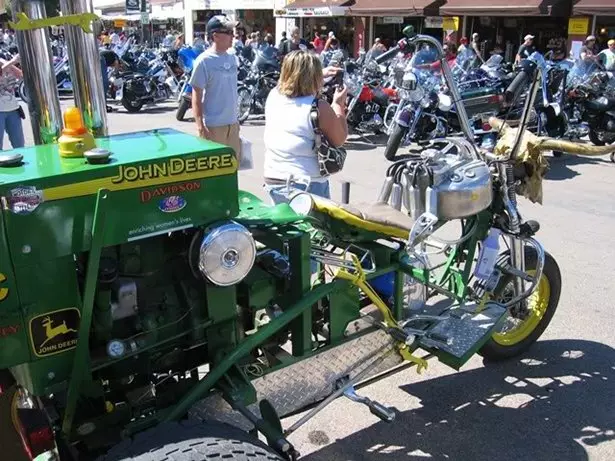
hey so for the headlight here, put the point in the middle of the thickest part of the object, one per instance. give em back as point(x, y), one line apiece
point(227, 254)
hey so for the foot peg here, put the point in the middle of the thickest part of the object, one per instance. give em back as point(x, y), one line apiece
point(384, 413)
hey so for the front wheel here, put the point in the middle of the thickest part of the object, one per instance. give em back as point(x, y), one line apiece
point(522, 327)
point(395, 139)
point(184, 105)
point(601, 140)
point(22, 92)
point(244, 104)
point(192, 441)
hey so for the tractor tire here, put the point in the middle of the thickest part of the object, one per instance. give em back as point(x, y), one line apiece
point(183, 107)
point(192, 441)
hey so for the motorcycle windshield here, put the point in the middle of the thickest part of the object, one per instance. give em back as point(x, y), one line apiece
point(582, 71)
point(266, 59)
point(425, 65)
point(187, 57)
point(465, 61)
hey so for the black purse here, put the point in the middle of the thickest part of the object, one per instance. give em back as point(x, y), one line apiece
point(330, 159)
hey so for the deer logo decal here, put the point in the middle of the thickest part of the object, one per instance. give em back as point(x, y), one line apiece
point(55, 332)
point(52, 332)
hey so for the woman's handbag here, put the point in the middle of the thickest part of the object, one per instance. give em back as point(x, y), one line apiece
point(330, 159)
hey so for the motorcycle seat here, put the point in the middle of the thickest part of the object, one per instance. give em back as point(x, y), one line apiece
point(380, 218)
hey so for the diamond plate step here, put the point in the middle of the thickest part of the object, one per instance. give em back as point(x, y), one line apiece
point(307, 381)
point(466, 331)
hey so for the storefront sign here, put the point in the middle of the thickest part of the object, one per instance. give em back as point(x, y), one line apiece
point(450, 23)
point(119, 23)
point(391, 20)
point(145, 18)
point(578, 26)
point(434, 22)
point(133, 6)
point(310, 12)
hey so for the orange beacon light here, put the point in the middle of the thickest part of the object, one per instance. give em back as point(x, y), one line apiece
point(75, 139)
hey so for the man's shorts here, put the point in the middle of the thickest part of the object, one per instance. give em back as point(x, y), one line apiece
point(227, 135)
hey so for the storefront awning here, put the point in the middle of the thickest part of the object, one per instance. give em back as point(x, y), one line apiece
point(395, 7)
point(313, 8)
point(499, 7)
point(594, 7)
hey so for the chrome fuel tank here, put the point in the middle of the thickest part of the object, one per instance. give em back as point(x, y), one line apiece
point(466, 191)
point(448, 185)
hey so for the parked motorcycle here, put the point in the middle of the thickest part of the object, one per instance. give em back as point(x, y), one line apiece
point(590, 96)
point(186, 57)
point(252, 92)
point(368, 99)
point(426, 109)
point(63, 80)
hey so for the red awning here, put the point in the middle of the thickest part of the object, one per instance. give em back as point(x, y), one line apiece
point(498, 7)
point(594, 7)
point(394, 7)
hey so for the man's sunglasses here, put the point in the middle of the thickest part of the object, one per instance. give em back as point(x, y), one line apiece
point(225, 32)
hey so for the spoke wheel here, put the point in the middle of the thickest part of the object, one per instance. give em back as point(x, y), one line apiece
point(525, 322)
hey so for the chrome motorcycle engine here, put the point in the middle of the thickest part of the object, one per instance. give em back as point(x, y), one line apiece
point(445, 179)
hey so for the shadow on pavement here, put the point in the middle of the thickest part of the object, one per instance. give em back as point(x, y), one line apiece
point(559, 167)
point(534, 408)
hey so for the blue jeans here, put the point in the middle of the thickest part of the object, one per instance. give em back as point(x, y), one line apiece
point(10, 122)
point(279, 193)
point(105, 76)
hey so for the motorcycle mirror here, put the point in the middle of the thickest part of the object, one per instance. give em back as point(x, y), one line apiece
point(408, 31)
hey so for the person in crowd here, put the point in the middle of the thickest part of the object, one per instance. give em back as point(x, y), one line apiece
point(318, 43)
point(283, 40)
point(11, 113)
point(258, 40)
point(526, 49)
point(330, 51)
point(179, 42)
point(289, 134)
point(238, 37)
point(475, 45)
point(607, 56)
point(251, 38)
point(295, 42)
point(214, 83)
point(269, 41)
point(589, 51)
point(463, 44)
point(330, 37)
point(108, 59)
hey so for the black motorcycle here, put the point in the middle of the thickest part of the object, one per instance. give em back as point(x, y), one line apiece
point(253, 90)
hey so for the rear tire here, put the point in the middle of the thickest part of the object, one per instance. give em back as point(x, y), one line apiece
point(183, 107)
point(131, 104)
point(22, 92)
point(597, 140)
point(395, 139)
point(495, 349)
point(192, 441)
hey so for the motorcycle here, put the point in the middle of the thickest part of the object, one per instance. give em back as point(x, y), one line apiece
point(134, 90)
point(590, 99)
point(426, 109)
point(187, 56)
point(263, 76)
point(368, 99)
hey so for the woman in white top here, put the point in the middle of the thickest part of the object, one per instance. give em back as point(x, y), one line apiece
point(289, 134)
point(10, 110)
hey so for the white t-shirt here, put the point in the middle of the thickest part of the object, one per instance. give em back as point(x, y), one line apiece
point(289, 138)
point(8, 83)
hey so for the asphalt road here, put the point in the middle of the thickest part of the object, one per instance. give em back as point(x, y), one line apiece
point(555, 403)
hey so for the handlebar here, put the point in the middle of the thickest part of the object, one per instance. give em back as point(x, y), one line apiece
point(389, 54)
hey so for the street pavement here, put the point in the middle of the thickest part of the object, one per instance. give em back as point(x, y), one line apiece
point(557, 402)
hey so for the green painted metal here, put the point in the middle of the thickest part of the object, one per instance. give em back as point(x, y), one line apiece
point(245, 347)
point(81, 364)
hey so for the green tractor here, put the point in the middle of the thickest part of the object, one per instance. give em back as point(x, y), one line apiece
point(151, 310)
point(148, 305)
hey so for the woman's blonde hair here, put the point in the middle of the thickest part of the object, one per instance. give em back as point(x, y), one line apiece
point(301, 74)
